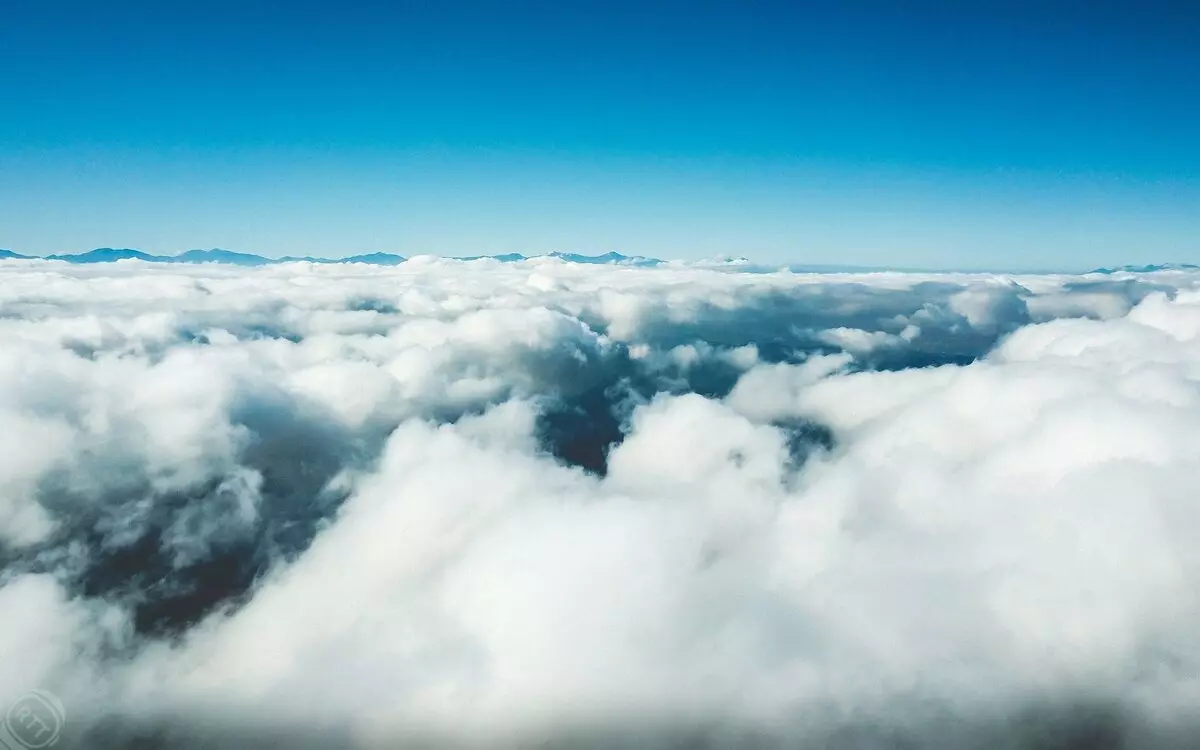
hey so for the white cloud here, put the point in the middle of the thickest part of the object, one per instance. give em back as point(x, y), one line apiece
point(322, 502)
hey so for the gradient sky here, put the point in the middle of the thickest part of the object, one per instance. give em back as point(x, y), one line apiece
point(1014, 135)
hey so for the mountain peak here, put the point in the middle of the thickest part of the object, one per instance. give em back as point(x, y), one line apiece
point(216, 255)
point(377, 259)
point(107, 255)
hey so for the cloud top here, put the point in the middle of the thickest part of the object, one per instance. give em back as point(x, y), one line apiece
point(495, 504)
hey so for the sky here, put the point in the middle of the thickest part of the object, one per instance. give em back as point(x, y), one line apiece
point(1015, 135)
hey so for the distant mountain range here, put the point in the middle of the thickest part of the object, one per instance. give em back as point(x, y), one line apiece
point(740, 264)
point(1149, 268)
point(110, 255)
point(615, 259)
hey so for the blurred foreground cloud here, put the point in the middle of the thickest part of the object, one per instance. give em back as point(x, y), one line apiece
point(474, 503)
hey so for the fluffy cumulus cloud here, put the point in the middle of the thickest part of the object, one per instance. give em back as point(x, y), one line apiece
point(467, 503)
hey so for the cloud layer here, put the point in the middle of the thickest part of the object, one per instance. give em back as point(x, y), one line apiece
point(497, 504)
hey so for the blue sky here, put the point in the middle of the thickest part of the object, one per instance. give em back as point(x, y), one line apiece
point(1053, 134)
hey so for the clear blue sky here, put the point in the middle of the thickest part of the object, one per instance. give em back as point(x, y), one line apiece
point(1057, 133)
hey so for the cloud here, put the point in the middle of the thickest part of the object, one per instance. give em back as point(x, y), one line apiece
point(493, 504)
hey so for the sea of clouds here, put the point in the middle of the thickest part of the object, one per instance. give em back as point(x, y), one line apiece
point(551, 504)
